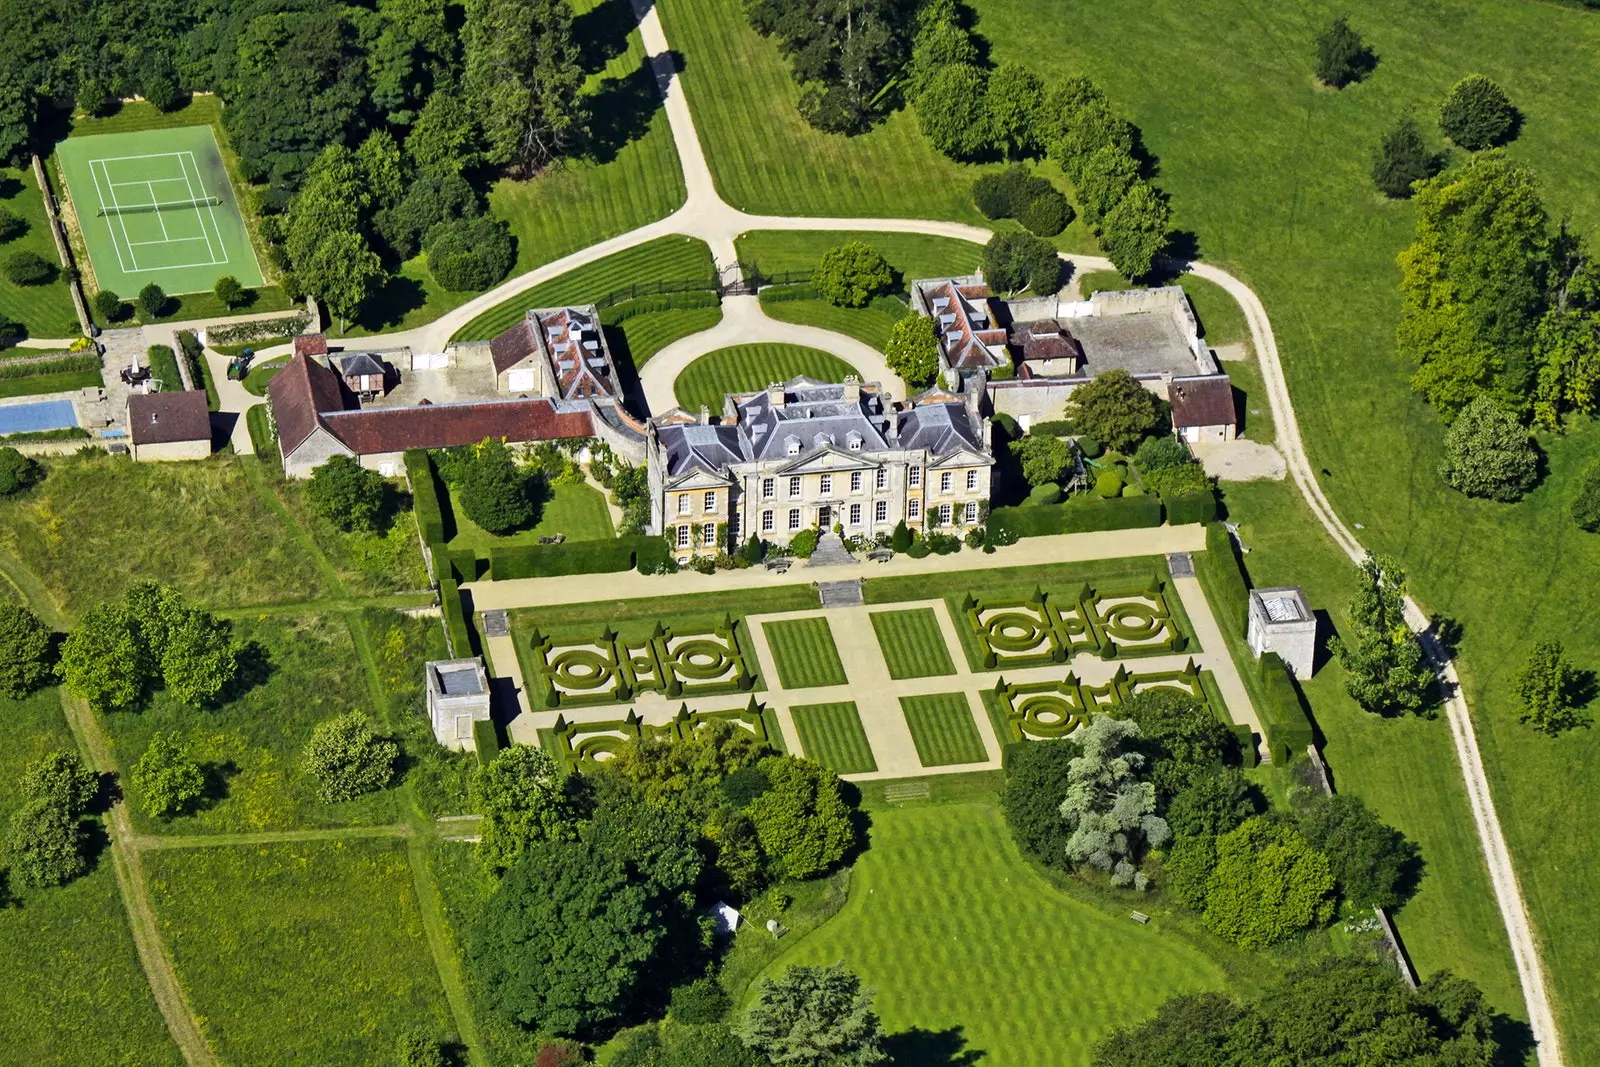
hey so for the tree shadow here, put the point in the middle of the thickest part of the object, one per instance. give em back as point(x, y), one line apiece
point(1583, 690)
point(217, 777)
point(1515, 1038)
point(1447, 632)
point(387, 308)
point(601, 33)
point(620, 111)
point(255, 668)
point(9, 187)
point(917, 1047)
point(1183, 248)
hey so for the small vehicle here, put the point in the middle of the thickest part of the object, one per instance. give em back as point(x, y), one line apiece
point(239, 366)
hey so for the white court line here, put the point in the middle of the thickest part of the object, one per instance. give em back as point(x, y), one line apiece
point(211, 209)
point(154, 200)
point(122, 220)
point(170, 241)
point(201, 219)
point(101, 197)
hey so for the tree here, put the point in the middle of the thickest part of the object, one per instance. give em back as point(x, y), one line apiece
point(900, 540)
point(108, 306)
point(913, 350)
point(27, 651)
point(431, 200)
point(348, 272)
point(852, 274)
point(1046, 216)
point(446, 139)
point(802, 821)
point(494, 493)
point(1477, 114)
point(104, 661)
point(1115, 409)
point(522, 799)
point(199, 658)
point(152, 300)
point(1186, 740)
point(951, 112)
point(1341, 55)
point(161, 87)
point(1137, 230)
point(1045, 460)
point(1567, 347)
point(167, 777)
point(1037, 777)
point(347, 494)
point(19, 108)
point(46, 844)
point(1402, 159)
point(61, 780)
point(814, 1017)
point(1187, 1030)
point(1489, 454)
point(471, 253)
point(1545, 685)
point(1013, 110)
point(1387, 673)
point(17, 472)
point(1586, 504)
point(28, 268)
point(1474, 284)
point(383, 169)
point(842, 55)
point(1370, 860)
point(525, 76)
point(349, 758)
point(1110, 807)
point(701, 1002)
point(1016, 261)
point(12, 225)
point(334, 200)
point(418, 1048)
point(229, 291)
point(1212, 804)
point(1268, 884)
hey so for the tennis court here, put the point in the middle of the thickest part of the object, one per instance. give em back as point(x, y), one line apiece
point(157, 206)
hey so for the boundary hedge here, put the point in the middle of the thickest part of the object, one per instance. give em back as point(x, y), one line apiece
point(1222, 571)
point(425, 496)
point(455, 618)
point(485, 740)
point(1283, 717)
point(1079, 516)
point(1184, 508)
point(575, 557)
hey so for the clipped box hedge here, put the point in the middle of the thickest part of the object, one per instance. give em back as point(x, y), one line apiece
point(485, 740)
point(1225, 578)
point(1283, 718)
point(425, 497)
point(464, 564)
point(1184, 508)
point(617, 314)
point(455, 618)
point(576, 557)
point(1079, 515)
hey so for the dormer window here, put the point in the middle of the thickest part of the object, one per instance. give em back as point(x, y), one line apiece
point(854, 442)
point(792, 446)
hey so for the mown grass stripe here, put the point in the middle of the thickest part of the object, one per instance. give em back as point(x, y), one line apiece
point(804, 652)
point(942, 729)
point(912, 643)
point(745, 368)
point(832, 735)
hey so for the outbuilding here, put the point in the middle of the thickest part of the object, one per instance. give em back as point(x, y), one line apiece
point(169, 426)
point(1202, 408)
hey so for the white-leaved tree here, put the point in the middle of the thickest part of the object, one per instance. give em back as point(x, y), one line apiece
point(1110, 807)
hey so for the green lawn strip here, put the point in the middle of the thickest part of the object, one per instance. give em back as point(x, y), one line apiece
point(912, 255)
point(870, 325)
point(314, 946)
point(942, 728)
point(804, 653)
point(912, 643)
point(205, 305)
point(97, 523)
point(636, 271)
point(958, 948)
point(832, 735)
point(441, 945)
point(46, 310)
point(645, 335)
point(1250, 401)
point(577, 512)
point(1404, 768)
point(39, 384)
point(367, 563)
point(743, 368)
point(255, 382)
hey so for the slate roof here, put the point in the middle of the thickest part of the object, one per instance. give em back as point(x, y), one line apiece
point(941, 427)
point(1203, 400)
point(165, 418)
point(361, 363)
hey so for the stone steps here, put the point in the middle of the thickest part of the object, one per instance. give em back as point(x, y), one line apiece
point(841, 594)
point(830, 553)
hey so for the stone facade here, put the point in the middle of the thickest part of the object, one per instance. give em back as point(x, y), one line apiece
point(1281, 621)
point(458, 696)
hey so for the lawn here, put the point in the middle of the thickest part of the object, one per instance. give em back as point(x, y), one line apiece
point(58, 382)
point(871, 324)
point(1270, 172)
point(983, 960)
point(912, 643)
point(310, 951)
point(912, 255)
point(804, 653)
point(744, 368)
point(46, 310)
point(35, 727)
point(832, 735)
point(98, 523)
point(630, 273)
point(577, 511)
point(642, 336)
point(942, 729)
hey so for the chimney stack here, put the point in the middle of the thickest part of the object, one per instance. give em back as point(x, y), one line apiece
point(775, 396)
point(705, 415)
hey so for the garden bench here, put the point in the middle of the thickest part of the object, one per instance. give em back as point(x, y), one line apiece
point(1139, 917)
point(880, 555)
point(778, 565)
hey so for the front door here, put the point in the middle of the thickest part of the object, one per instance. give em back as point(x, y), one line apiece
point(825, 518)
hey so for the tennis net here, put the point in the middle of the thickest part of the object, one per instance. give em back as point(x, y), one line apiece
point(169, 205)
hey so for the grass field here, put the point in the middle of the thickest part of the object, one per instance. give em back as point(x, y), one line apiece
point(60, 382)
point(368, 563)
point(804, 653)
point(98, 523)
point(666, 259)
point(912, 255)
point(643, 336)
point(304, 952)
point(942, 729)
point(912, 643)
point(578, 511)
point(45, 310)
point(832, 735)
point(870, 325)
point(35, 727)
point(183, 249)
point(742, 368)
point(983, 961)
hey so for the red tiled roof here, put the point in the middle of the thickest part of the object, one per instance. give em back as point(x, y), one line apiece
point(311, 344)
point(513, 346)
point(376, 430)
point(1202, 401)
point(569, 359)
point(164, 418)
point(300, 392)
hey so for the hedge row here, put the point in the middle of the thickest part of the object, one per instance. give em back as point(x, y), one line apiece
point(261, 330)
point(485, 740)
point(646, 305)
point(577, 557)
point(1283, 718)
point(1079, 516)
point(1184, 508)
point(64, 365)
point(1224, 573)
point(455, 618)
point(425, 496)
point(777, 294)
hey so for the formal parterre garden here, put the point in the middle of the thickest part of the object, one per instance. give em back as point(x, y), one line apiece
point(583, 746)
point(608, 670)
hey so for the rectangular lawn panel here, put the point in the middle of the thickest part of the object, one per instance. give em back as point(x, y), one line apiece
point(306, 952)
point(942, 729)
point(804, 653)
point(832, 735)
point(960, 937)
point(912, 643)
point(578, 512)
point(44, 310)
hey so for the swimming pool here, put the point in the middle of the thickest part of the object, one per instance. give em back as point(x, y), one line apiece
point(44, 415)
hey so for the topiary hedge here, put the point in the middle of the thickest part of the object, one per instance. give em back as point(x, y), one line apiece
point(1184, 508)
point(455, 618)
point(485, 740)
point(1223, 572)
point(424, 495)
point(573, 557)
point(1079, 515)
point(1284, 722)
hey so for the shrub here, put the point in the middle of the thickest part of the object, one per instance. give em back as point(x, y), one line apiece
point(28, 268)
point(1586, 504)
point(46, 845)
point(349, 758)
point(160, 87)
point(1488, 453)
point(1108, 484)
point(1008, 193)
point(167, 777)
point(1044, 460)
point(804, 543)
point(108, 306)
point(1158, 453)
point(913, 350)
point(347, 494)
point(1047, 215)
point(1036, 783)
point(152, 300)
point(469, 254)
point(1212, 804)
point(493, 491)
point(17, 472)
point(1017, 261)
point(1546, 686)
point(559, 1054)
point(229, 291)
point(1401, 160)
point(900, 540)
point(418, 1048)
point(1477, 114)
point(802, 821)
point(701, 1001)
point(27, 651)
point(1341, 56)
point(1089, 446)
point(852, 274)
point(12, 225)
point(1268, 884)
point(1049, 493)
point(1371, 861)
